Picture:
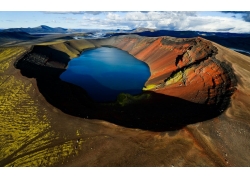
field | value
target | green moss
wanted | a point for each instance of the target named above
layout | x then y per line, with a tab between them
26	136
7	55
178	77
149	87
124	99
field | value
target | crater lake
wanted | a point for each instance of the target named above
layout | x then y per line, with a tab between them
106	72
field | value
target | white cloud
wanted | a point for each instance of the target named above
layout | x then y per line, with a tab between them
136	16
113	16
73	12
170	20
209	23
70	19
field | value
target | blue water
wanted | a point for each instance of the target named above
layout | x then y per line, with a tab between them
106	72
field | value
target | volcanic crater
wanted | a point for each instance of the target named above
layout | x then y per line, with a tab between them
187	83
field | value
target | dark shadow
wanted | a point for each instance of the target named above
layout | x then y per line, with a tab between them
155	112
54	55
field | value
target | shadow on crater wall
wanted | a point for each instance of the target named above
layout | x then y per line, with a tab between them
157	113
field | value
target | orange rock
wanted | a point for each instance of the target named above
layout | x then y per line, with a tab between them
202	78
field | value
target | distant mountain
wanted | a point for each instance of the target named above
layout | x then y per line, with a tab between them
13	37
39	29
48	30
142	29
43	29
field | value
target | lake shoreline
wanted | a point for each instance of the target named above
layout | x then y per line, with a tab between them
91	74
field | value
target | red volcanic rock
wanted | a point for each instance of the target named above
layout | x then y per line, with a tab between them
184	68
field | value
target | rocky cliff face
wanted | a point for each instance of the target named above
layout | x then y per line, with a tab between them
184	68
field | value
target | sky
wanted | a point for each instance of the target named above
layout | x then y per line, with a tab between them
183	19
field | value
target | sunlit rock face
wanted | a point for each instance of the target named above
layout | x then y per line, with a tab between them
184	68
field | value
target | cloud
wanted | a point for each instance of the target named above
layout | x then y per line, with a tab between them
214	24
93	12
74	12
235	12
246	17
113	16
225	29
63	12
169	20
151	19
87	12
156	15
245	14
69	18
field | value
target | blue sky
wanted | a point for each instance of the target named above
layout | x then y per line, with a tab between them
97	16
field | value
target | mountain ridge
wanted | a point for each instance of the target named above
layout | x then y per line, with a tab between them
142	31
